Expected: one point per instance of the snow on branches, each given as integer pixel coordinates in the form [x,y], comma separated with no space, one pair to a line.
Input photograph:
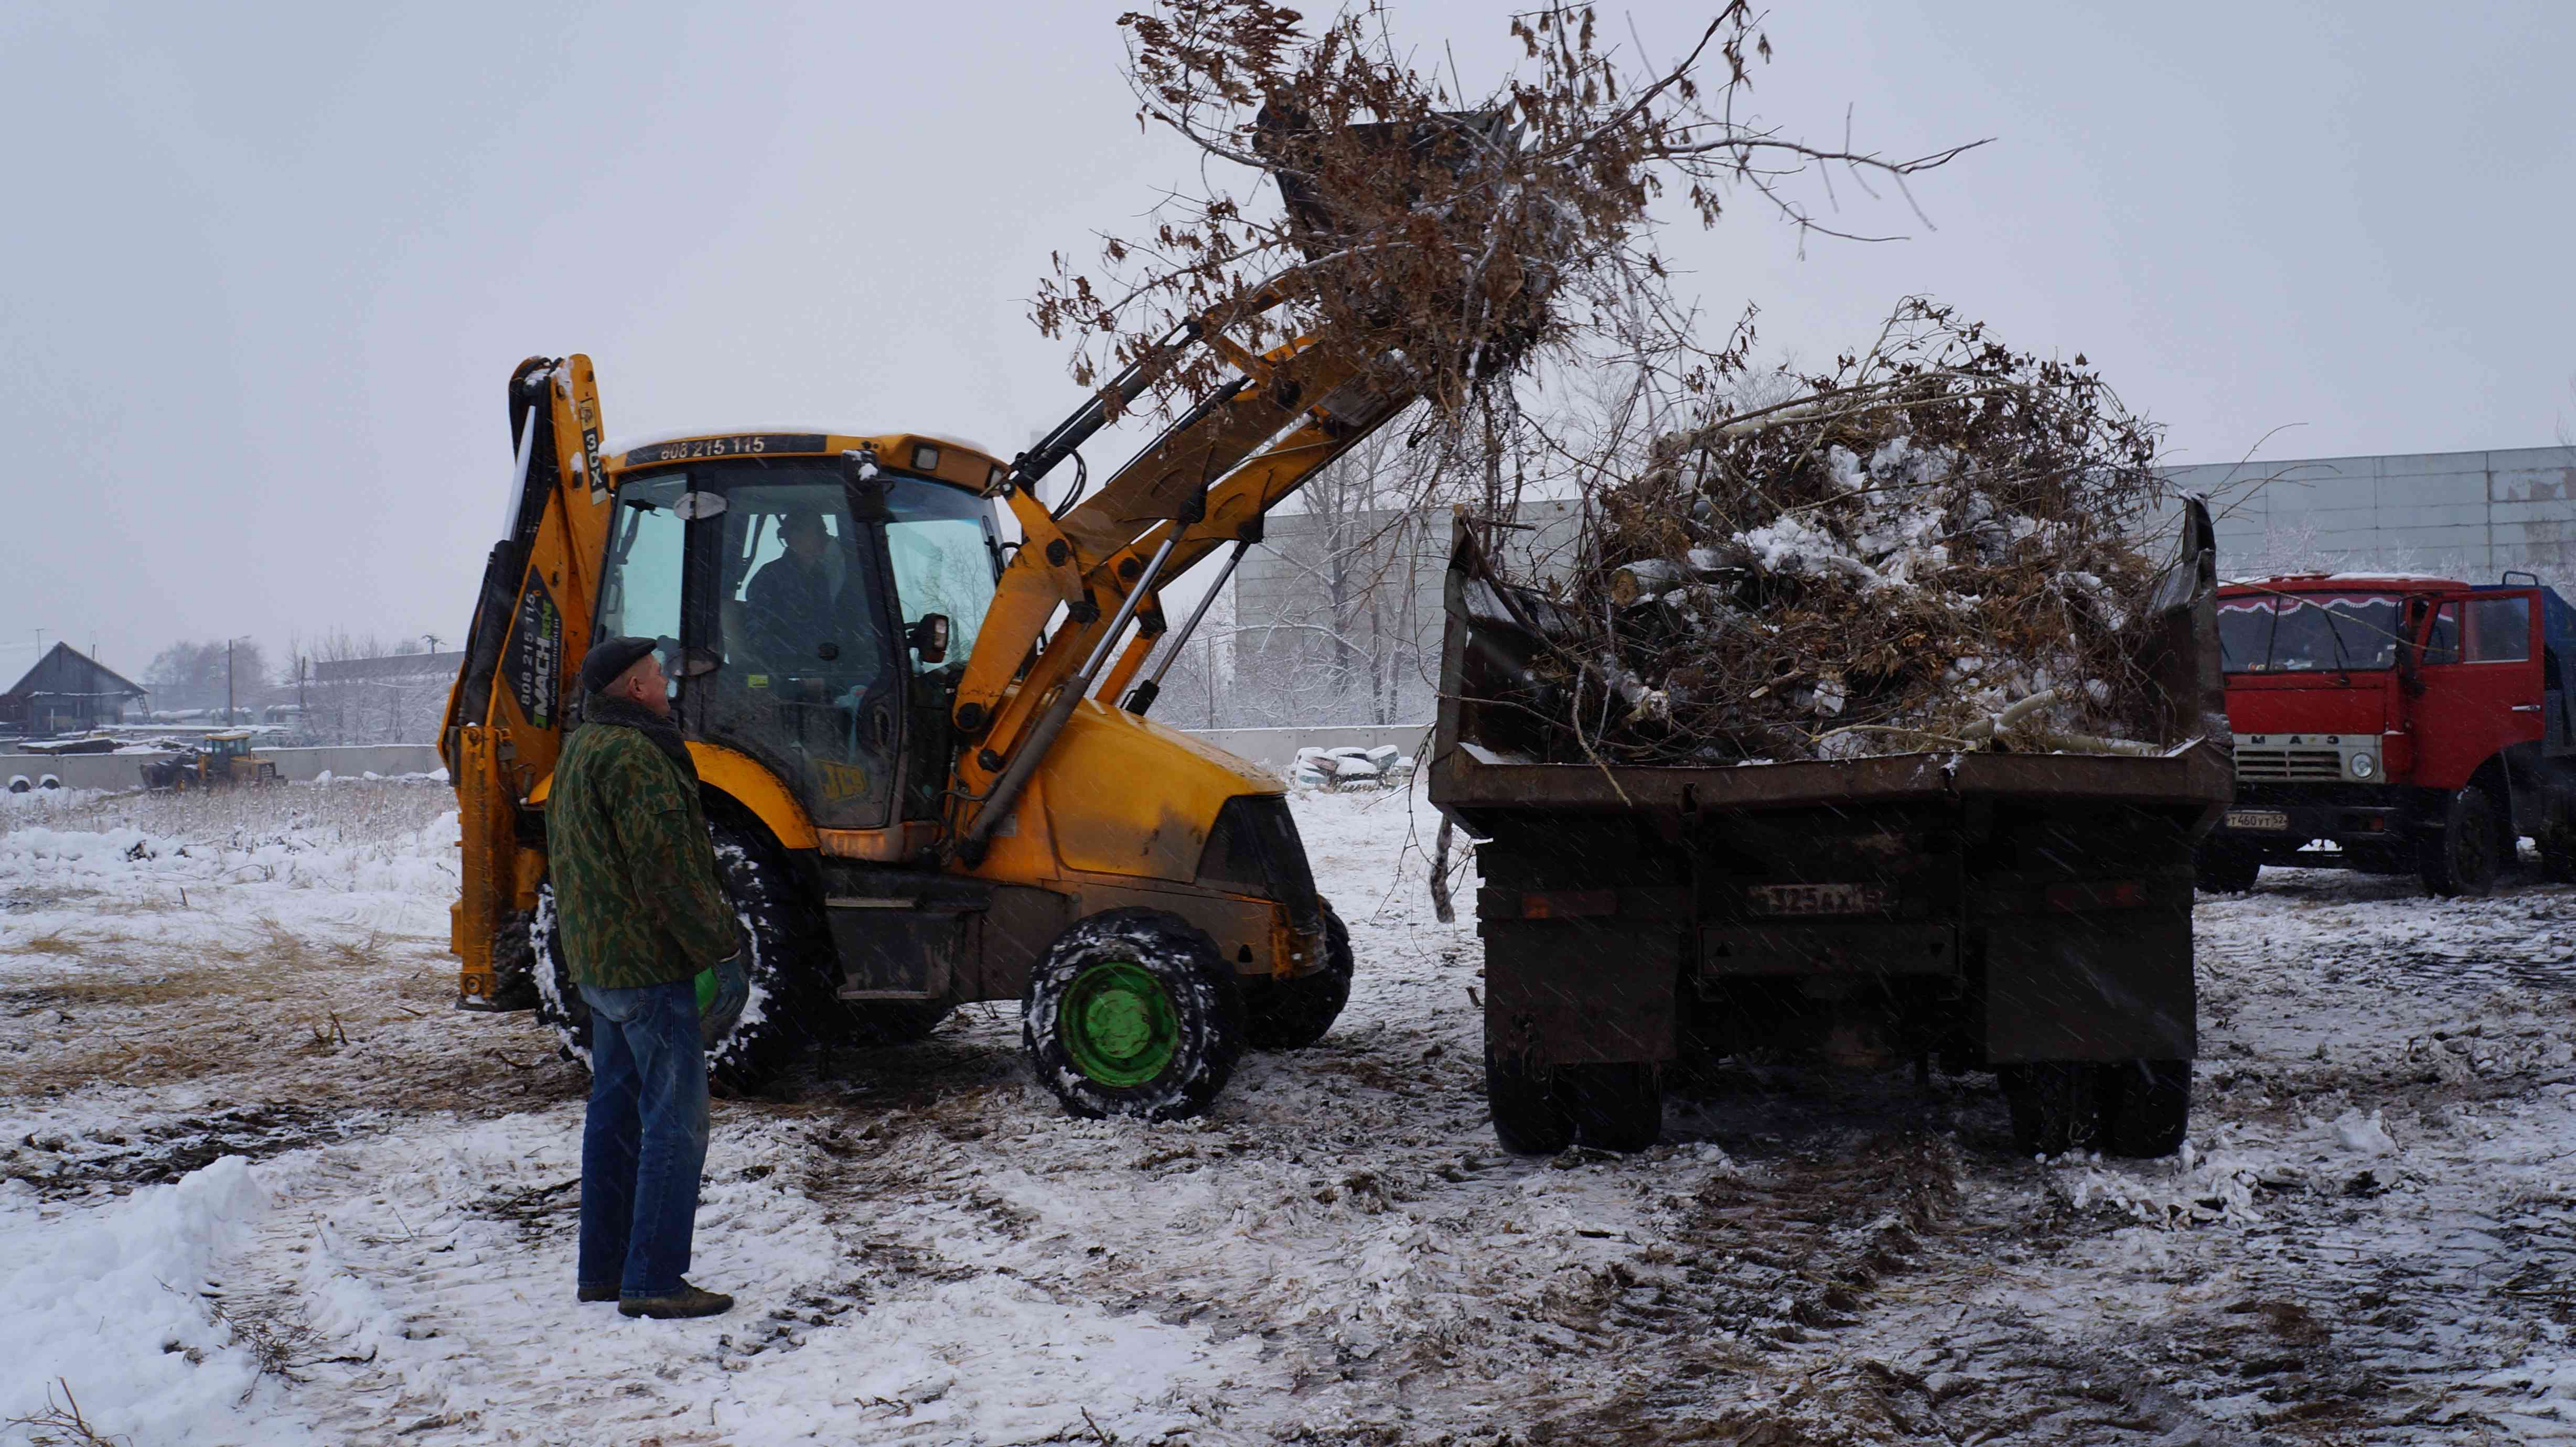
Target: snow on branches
[1933,545]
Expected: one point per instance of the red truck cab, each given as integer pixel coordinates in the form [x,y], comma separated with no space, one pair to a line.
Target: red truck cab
[2419,725]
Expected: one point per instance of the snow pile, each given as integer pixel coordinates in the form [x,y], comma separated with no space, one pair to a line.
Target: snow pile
[114,1302]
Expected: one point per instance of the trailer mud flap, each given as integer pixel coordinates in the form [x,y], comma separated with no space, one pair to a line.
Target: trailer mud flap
[2099,985]
[1568,993]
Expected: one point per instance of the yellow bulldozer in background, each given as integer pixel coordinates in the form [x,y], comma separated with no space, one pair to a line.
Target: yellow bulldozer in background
[217,761]
[923,745]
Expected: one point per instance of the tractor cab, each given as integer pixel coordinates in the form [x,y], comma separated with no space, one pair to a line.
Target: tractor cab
[808,609]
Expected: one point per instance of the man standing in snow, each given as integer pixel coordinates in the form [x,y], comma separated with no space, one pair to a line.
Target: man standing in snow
[643,916]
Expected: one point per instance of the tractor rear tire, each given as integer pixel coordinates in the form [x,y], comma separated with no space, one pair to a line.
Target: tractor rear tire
[2464,860]
[1530,1119]
[1133,1012]
[2053,1105]
[789,978]
[1293,1014]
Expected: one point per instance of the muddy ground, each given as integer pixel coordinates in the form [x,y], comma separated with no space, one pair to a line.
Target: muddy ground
[2366,1242]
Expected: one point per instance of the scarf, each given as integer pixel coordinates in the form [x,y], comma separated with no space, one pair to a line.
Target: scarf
[600,708]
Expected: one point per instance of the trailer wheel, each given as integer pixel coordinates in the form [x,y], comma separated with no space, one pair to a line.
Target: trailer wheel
[1615,1107]
[1293,1014]
[1529,1118]
[2146,1107]
[2225,869]
[2053,1105]
[1133,1012]
[2463,860]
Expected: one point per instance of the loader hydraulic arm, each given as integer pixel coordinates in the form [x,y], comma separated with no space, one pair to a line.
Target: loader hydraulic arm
[532,619]
[1206,482]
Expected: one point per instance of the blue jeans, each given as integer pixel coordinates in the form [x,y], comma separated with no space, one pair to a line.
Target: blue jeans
[644,1139]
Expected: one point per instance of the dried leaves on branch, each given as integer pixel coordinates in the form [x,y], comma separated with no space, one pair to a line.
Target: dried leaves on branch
[1932,547]
[1467,231]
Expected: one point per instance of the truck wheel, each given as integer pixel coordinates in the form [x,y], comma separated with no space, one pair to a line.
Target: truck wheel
[2146,1107]
[2463,860]
[1133,1012]
[2052,1105]
[1529,1118]
[1293,1014]
[1615,1107]
[2225,869]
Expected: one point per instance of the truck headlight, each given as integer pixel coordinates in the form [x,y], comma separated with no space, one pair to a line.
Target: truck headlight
[2364,766]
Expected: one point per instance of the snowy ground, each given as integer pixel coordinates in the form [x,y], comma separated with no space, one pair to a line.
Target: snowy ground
[263,1185]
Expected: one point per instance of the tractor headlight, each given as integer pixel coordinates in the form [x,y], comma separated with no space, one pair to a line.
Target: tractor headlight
[2364,766]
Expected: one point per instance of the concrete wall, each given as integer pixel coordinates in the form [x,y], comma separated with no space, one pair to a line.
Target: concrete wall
[1278,747]
[125,771]
[2468,515]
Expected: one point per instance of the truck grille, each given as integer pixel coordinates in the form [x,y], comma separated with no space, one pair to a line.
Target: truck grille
[2289,766]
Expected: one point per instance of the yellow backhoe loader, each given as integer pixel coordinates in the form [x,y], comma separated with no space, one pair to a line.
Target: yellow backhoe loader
[924,748]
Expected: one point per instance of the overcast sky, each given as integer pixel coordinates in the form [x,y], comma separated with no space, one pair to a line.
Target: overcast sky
[268,267]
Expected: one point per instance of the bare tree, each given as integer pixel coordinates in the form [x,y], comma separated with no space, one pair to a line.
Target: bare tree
[195,674]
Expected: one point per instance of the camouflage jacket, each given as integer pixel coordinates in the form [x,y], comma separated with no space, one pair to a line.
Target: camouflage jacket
[637,895]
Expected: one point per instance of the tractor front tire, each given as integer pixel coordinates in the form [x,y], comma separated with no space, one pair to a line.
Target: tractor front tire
[1295,1013]
[1133,1012]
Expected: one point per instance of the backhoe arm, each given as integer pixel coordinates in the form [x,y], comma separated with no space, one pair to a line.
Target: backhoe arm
[1206,482]
[532,620]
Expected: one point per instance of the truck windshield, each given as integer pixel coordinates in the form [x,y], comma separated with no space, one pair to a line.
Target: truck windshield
[2308,632]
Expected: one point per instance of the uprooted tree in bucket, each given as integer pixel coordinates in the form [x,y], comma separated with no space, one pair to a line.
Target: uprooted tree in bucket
[1473,240]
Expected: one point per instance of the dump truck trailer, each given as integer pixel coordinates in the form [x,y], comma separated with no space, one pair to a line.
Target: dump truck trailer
[2025,913]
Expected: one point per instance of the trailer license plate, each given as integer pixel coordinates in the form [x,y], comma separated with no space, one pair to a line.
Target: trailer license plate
[1818,898]
[2257,819]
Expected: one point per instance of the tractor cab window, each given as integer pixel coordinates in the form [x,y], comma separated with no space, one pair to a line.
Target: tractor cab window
[941,543]
[806,677]
[639,595]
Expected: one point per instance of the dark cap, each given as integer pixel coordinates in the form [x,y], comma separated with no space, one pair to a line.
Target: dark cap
[608,660]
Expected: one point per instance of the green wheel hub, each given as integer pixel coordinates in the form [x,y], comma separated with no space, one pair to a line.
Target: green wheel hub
[1118,1024]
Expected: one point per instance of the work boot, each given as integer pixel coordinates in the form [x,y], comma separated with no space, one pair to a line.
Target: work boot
[687,1301]
[598,1293]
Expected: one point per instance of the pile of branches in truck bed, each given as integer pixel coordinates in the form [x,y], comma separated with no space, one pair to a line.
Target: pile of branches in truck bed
[1935,546]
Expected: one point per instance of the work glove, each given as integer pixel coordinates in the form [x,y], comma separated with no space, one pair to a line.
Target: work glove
[723,990]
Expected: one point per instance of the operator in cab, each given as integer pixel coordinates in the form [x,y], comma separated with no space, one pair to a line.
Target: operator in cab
[791,602]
